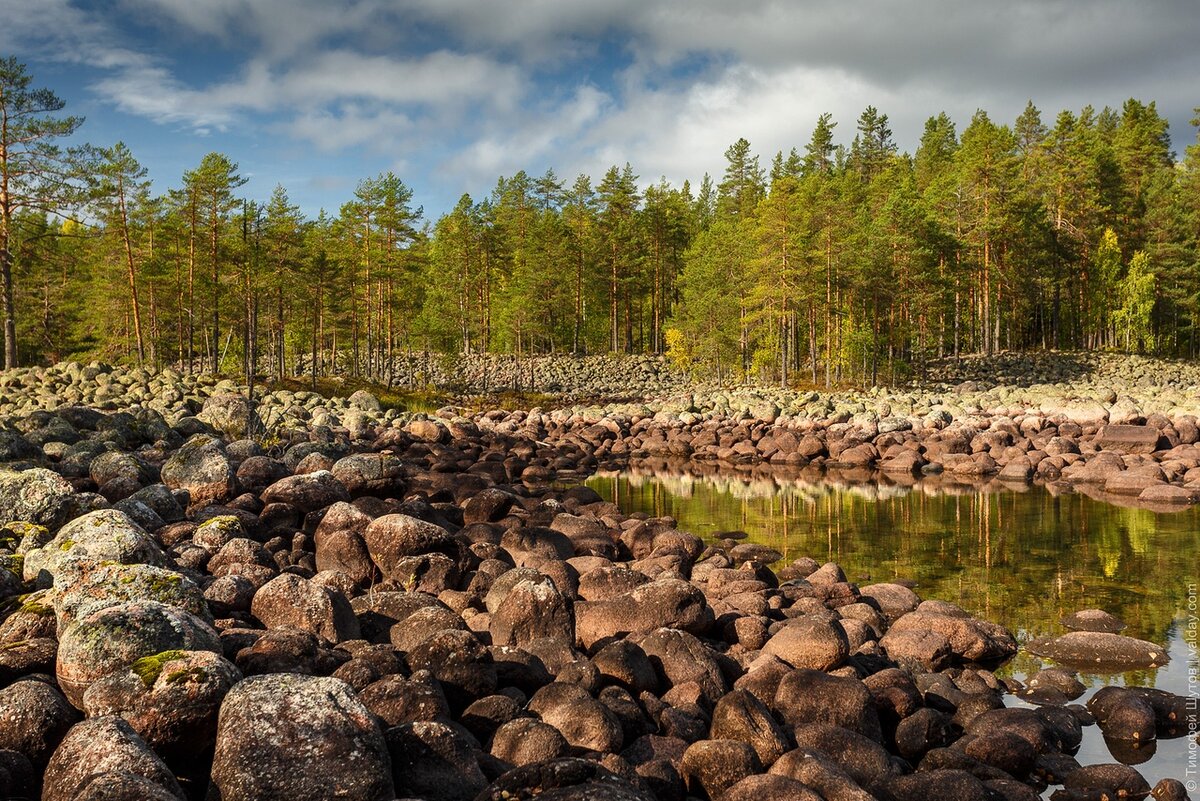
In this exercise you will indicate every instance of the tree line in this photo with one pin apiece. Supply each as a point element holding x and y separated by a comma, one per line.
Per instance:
<point>835,264</point>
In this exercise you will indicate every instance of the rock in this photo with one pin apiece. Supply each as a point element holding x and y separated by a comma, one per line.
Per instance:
<point>533,610</point>
<point>1121,781</point>
<point>202,468</point>
<point>894,600</point>
<point>37,496</point>
<point>1005,750</point>
<point>16,448</point>
<point>364,401</point>
<point>971,639</point>
<point>431,760</point>
<point>918,651</point>
<point>112,584</point>
<point>376,474</point>
<point>679,658</point>
<point>1093,620</point>
<point>105,535</point>
<point>488,506</point>
<point>827,779</point>
<point>811,644</point>
<point>710,767</point>
<point>99,750</point>
<point>307,492</point>
<point>257,473</point>
<point>525,741</point>
<point>1169,790</point>
<point>583,721</point>
<point>1065,681</point>
<point>864,760</point>
<point>1128,439</point>
<point>396,699</point>
<point>807,696</point>
<point>233,415</point>
<point>957,784</point>
<point>741,716</point>
<point>391,538</point>
<point>34,718</point>
<point>768,787</point>
<point>562,780</point>
<point>461,663</point>
<point>288,601</point>
<point>117,637</point>
<point>170,699</point>
<point>1099,649</point>
<point>921,732</point>
<point>287,737</point>
<point>667,603</point>
<point>1123,715</point>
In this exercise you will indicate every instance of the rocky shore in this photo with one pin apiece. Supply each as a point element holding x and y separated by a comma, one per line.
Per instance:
<point>311,598</point>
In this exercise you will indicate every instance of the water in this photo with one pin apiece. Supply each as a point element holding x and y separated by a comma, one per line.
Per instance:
<point>1023,557</point>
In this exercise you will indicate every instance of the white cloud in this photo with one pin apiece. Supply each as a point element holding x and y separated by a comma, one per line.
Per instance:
<point>467,90</point>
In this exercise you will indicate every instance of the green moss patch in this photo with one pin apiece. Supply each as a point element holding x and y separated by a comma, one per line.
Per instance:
<point>148,668</point>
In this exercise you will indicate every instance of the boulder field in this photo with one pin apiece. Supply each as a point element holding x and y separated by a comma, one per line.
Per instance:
<point>378,606</point>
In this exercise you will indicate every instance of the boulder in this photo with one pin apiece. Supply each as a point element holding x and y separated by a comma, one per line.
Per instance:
<point>112,584</point>
<point>524,741</point>
<point>532,611</point>
<point>37,496</point>
<point>1099,650</point>
<point>377,474</point>
<point>34,718</point>
<point>710,767</point>
<point>202,468</point>
<point>105,751</point>
<point>806,643</point>
<point>433,761</point>
<point>289,601</point>
<point>170,699</point>
<point>741,716</point>
<point>105,535</point>
<point>117,637</point>
<point>287,737</point>
<point>583,721</point>
<point>392,538</point>
<point>971,639</point>
<point>307,492</point>
<point>233,415</point>
<point>562,780</point>
<point>1128,439</point>
<point>666,603</point>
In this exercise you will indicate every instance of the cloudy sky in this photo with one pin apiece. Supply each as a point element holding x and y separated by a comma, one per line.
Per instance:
<point>450,94</point>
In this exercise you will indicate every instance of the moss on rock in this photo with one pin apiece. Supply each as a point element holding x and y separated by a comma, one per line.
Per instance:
<point>149,668</point>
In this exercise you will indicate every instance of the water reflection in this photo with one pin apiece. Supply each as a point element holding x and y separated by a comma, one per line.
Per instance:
<point>1021,556</point>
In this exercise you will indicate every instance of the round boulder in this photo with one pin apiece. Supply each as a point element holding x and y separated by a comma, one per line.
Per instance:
<point>288,737</point>
<point>170,699</point>
<point>102,751</point>
<point>115,637</point>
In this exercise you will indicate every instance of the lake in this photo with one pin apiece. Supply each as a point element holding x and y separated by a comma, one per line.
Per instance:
<point>1021,556</point>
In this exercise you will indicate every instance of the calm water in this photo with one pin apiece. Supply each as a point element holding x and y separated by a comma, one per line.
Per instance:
<point>1021,558</point>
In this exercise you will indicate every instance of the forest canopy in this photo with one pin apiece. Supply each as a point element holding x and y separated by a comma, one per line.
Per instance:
<point>831,264</point>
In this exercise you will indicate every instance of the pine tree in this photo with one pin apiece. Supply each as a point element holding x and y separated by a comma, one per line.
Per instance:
<point>35,174</point>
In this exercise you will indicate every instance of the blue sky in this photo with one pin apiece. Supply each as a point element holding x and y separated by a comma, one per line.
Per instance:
<point>451,94</point>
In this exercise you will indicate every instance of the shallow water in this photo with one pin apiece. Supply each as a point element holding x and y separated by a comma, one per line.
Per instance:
<point>1024,557</point>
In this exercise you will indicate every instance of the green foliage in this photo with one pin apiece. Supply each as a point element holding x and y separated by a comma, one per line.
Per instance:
<point>1133,318</point>
<point>850,264</point>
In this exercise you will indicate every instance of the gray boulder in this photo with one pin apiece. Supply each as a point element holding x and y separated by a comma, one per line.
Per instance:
<point>287,737</point>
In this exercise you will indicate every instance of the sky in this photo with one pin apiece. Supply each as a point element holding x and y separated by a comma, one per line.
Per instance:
<point>451,94</point>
